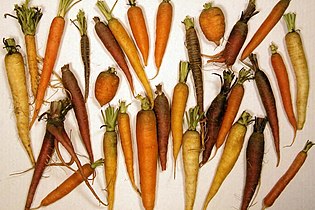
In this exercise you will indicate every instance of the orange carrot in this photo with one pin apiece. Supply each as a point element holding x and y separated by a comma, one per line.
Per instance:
<point>164,18</point>
<point>264,29</point>
<point>139,29</point>
<point>52,47</point>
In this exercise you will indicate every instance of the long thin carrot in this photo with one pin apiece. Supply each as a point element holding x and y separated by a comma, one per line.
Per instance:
<point>284,86</point>
<point>287,177</point>
<point>164,19</point>
<point>298,60</point>
<point>271,20</point>
<point>268,101</point>
<point>52,47</point>
<point>15,70</point>
<point>146,134</point>
<point>128,47</point>
<point>139,29</point>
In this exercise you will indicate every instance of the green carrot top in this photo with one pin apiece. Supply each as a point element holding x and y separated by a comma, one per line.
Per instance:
<point>290,21</point>
<point>97,163</point>
<point>307,146</point>
<point>188,22</point>
<point>65,6</point>
<point>145,102</point>
<point>183,71</point>
<point>123,107</point>
<point>110,118</point>
<point>244,75</point>
<point>10,45</point>
<point>207,5</point>
<point>193,117</point>
<point>245,119</point>
<point>82,24</point>
<point>273,48</point>
<point>103,7</point>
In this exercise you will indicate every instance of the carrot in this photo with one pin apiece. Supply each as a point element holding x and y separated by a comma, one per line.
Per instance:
<point>139,29</point>
<point>70,83</point>
<point>14,65</point>
<point>124,130</point>
<point>85,49</point>
<point>146,134</point>
<point>110,153</point>
<point>70,183</point>
<point>212,23</point>
<point>191,150</point>
<point>269,23</point>
<point>268,101</point>
<point>58,110</point>
<point>254,159</point>
<point>286,178</point>
<point>163,25</point>
<point>214,116</point>
<point>284,85</point>
<point>52,47</point>
<point>128,47</point>
<point>163,116</point>
<point>178,105</point>
<point>232,149</point>
<point>298,60</point>
<point>110,43</point>
<point>236,38</point>
<point>233,104</point>
<point>106,86</point>
<point>28,18</point>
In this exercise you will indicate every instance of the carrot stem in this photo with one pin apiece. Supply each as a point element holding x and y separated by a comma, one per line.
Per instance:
<point>65,6</point>
<point>290,21</point>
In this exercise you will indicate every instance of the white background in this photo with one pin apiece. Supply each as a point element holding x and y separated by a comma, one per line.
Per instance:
<point>169,192</point>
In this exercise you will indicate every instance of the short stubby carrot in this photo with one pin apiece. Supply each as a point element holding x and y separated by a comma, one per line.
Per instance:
<point>271,20</point>
<point>139,29</point>
<point>287,177</point>
<point>15,70</point>
<point>299,63</point>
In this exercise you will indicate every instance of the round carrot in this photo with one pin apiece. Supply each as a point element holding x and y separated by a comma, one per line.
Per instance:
<point>163,24</point>
<point>212,23</point>
<point>163,116</point>
<point>106,86</point>
<point>254,158</point>
<point>284,86</point>
<point>146,134</point>
<point>286,178</point>
<point>298,60</point>
<point>271,20</point>
<point>128,47</point>
<point>178,105</point>
<point>232,149</point>
<point>191,151</point>
<point>103,32</point>
<point>268,101</point>
<point>52,47</point>
<point>139,29</point>
<point>124,130</point>
<point>14,65</point>
<point>110,153</point>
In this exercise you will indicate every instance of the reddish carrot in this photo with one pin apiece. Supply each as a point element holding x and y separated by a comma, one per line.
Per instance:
<point>286,178</point>
<point>103,32</point>
<point>269,102</point>
<point>215,115</point>
<point>70,83</point>
<point>284,86</point>
<point>271,20</point>
<point>139,29</point>
<point>254,158</point>
<point>163,116</point>
<point>236,38</point>
<point>52,47</point>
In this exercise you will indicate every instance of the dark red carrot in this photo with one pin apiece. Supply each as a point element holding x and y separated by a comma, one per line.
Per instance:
<point>103,32</point>
<point>268,100</point>
<point>163,117</point>
<point>236,38</point>
<point>70,83</point>
<point>254,159</point>
<point>214,115</point>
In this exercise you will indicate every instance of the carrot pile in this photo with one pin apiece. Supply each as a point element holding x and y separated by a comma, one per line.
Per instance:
<point>155,135</point>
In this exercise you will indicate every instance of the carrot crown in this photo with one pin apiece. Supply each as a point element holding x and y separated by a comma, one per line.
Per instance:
<point>10,45</point>
<point>228,77</point>
<point>28,17</point>
<point>260,124</point>
<point>290,21</point>
<point>110,118</point>
<point>82,24</point>
<point>145,102</point>
<point>249,12</point>
<point>159,90</point>
<point>273,48</point>
<point>207,5</point>
<point>123,107</point>
<point>243,76</point>
<point>65,6</point>
<point>307,146</point>
<point>254,61</point>
<point>183,71</point>
<point>103,7</point>
<point>188,22</point>
<point>132,3</point>
<point>97,163</point>
<point>245,119</point>
<point>57,112</point>
<point>193,117</point>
